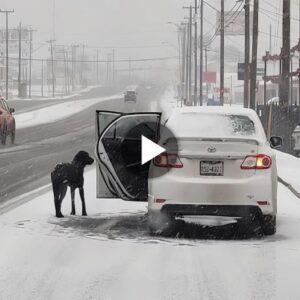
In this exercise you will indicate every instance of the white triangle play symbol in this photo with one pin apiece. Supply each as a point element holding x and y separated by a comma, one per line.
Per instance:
<point>150,150</point>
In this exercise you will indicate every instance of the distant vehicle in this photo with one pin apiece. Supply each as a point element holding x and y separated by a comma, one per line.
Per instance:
<point>225,165</point>
<point>274,100</point>
<point>7,122</point>
<point>212,102</point>
<point>130,96</point>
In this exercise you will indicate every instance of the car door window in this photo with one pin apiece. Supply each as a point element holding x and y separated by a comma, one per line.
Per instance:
<point>103,119</point>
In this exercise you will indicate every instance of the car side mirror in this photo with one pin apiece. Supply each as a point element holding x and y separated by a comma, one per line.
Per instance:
<point>276,141</point>
<point>11,110</point>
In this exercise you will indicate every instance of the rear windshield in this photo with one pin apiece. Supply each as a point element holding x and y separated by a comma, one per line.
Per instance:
<point>213,126</point>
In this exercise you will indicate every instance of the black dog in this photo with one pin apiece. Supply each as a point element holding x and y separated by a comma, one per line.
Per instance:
<point>70,174</point>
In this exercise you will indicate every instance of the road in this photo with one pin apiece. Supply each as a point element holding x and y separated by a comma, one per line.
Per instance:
<point>27,165</point>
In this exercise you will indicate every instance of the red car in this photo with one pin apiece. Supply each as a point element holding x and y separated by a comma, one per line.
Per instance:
<point>7,122</point>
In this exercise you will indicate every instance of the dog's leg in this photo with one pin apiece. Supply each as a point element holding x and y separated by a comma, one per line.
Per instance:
<point>62,194</point>
<point>73,212</point>
<point>57,202</point>
<point>81,192</point>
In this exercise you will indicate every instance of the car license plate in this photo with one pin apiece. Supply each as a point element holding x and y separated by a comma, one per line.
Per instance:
<point>211,168</point>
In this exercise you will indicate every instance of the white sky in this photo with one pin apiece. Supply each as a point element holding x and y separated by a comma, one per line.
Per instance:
<point>130,23</point>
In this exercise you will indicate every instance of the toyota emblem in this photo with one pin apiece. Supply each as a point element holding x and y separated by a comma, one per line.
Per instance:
<point>212,149</point>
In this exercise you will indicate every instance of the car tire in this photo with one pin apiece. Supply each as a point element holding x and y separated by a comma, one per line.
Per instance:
<point>269,225</point>
<point>159,223</point>
<point>3,136</point>
<point>12,137</point>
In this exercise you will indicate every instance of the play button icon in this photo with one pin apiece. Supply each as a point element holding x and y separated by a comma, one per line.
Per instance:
<point>150,150</point>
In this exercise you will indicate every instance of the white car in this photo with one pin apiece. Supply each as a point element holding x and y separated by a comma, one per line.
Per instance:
<point>224,165</point>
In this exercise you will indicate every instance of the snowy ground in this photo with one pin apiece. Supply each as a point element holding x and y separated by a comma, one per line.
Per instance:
<point>58,111</point>
<point>110,255</point>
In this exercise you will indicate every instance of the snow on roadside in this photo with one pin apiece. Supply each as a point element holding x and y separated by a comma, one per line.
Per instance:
<point>59,96</point>
<point>56,112</point>
<point>289,169</point>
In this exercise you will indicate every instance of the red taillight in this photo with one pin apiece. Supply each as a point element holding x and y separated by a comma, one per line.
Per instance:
<point>167,160</point>
<point>257,162</point>
<point>160,201</point>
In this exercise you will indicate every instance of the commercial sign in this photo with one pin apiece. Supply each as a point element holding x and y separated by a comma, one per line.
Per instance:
<point>209,77</point>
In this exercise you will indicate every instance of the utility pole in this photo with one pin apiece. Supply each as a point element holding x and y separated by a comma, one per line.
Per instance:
<point>42,79</point>
<point>187,64</point>
<point>284,92</point>
<point>183,65</point>
<point>286,45</point>
<point>82,65</point>
<point>30,60</point>
<point>206,70</point>
<point>74,69</point>
<point>113,67</point>
<point>247,53</point>
<point>270,42</point>
<point>196,56</point>
<point>299,58</point>
<point>129,68</point>
<point>20,60</point>
<point>7,12</point>
<point>98,56</point>
<point>201,52</point>
<point>52,67</point>
<point>222,32</point>
<point>190,52</point>
<point>254,56</point>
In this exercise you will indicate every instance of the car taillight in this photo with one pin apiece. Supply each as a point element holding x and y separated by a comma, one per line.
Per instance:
<point>167,160</point>
<point>257,162</point>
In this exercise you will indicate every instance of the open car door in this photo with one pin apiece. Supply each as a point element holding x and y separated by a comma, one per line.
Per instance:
<point>104,187</point>
<point>119,151</point>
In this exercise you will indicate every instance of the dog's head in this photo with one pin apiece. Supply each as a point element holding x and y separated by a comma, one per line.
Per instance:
<point>83,158</point>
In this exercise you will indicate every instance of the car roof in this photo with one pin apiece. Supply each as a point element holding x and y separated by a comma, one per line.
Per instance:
<point>226,110</point>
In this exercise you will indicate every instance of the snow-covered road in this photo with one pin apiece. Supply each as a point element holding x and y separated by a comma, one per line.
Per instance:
<point>109,255</point>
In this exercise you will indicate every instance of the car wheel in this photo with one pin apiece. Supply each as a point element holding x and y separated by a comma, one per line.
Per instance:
<point>269,225</point>
<point>12,137</point>
<point>159,223</point>
<point>3,136</point>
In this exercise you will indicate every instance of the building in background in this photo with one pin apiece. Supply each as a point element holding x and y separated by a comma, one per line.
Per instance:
<point>13,50</point>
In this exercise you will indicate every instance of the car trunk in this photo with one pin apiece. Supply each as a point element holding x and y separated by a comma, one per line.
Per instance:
<point>220,158</point>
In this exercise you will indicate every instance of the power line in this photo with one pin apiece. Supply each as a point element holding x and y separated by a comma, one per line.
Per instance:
<point>100,61</point>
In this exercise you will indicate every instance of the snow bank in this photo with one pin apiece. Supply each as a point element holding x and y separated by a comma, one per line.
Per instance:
<point>289,169</point>
<point>56,112</point>
<point>36,92</point>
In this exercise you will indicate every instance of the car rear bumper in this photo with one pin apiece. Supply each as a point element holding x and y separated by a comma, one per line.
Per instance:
<point>258,191</point>
<point>212,210</point>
